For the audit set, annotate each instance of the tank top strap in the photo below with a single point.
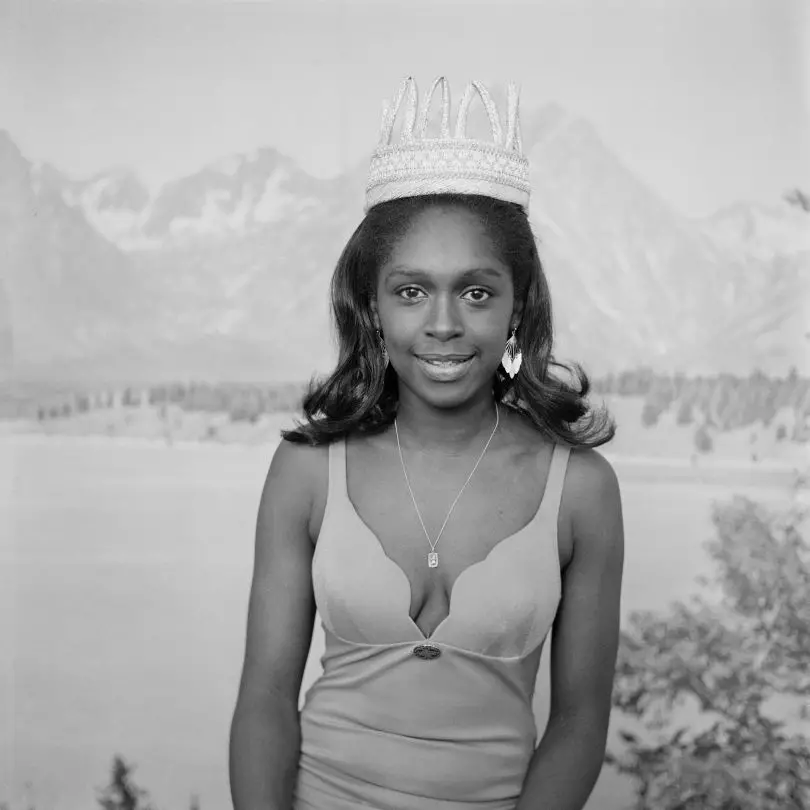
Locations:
(556, 478)
(337, 471)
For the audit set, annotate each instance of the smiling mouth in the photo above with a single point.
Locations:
(445, 362)
(445, 369)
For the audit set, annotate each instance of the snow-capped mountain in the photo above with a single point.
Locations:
(634, 280)
(69, 293)
(225, 273)
(234, 196)
(113, 201)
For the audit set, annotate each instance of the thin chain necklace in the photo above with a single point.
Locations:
(433, 557)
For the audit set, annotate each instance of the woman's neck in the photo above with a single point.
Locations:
(448, 432)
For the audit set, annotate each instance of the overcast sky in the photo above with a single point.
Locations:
(708, 101)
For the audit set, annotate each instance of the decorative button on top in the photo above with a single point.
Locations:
(426, 651)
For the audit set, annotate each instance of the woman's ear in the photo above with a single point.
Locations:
(375, 317)
(516, 319)
(517, 315)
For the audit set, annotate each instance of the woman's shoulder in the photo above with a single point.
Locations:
(589, 472)
(299, 458)
(299, 468)
(591, 497)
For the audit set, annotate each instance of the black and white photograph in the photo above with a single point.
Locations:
(404, 405)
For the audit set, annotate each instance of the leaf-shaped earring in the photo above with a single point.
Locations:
(512, 356)
(384, 350)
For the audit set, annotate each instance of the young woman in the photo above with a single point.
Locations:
(444, 509)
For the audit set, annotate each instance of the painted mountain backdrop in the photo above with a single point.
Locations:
(223, 275)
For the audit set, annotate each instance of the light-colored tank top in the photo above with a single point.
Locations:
(384, 728)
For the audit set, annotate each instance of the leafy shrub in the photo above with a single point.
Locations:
(728, 658)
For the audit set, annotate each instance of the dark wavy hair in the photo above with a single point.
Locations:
(362, 395)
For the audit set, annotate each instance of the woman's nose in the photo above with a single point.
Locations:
(443, 319)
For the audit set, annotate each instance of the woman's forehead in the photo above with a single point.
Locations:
(445, 217)
(439, 236)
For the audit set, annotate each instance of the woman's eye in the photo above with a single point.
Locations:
(479, 295)
(409, 293)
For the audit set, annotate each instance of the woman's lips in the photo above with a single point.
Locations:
(444, 369)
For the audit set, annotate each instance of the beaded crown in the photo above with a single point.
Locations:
(416, 164)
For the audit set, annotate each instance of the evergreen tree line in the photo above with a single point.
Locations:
(244, 402)
(712, 403)
(719, 403)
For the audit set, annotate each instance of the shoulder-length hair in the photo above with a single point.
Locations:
(361, 395)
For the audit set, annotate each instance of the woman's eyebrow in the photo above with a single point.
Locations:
(412, 272)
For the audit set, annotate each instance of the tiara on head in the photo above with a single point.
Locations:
(451, 163)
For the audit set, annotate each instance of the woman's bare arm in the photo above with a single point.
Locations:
(265, 731)
(585, 641)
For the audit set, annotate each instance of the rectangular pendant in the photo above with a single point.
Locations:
(433, 559)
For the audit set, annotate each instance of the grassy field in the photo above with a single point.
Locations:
(124, 574)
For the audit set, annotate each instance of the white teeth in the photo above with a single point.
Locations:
(445, 370)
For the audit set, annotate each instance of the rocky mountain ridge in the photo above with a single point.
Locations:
(224, 274)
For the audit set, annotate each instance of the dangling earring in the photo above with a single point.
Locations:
(512, 356)
(384, 350)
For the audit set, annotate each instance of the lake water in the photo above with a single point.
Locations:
(124, 577)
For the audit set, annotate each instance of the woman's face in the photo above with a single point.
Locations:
(445, 303)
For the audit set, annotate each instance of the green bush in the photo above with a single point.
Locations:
(728, 658)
